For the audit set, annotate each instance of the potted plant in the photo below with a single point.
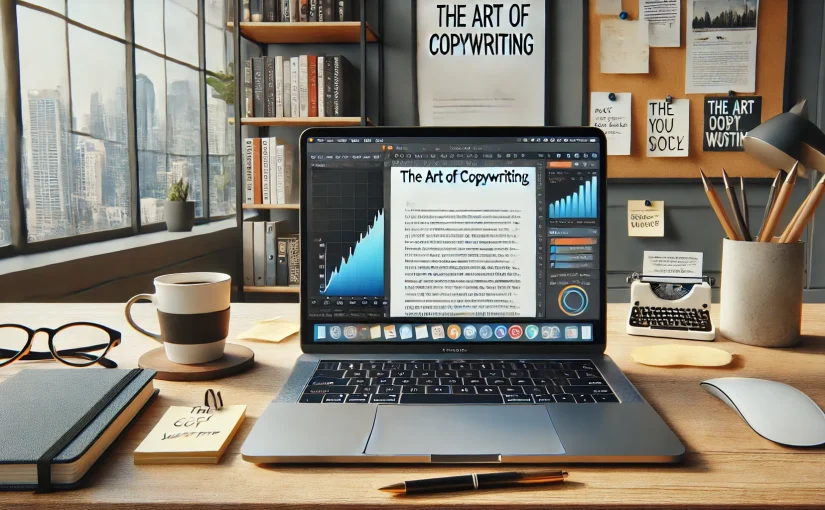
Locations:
(179, 213)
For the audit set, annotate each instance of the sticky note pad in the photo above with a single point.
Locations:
(685, 355)
(645, 220)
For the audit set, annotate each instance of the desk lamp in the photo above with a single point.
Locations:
(789, 137)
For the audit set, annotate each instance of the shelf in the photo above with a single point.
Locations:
(306, 32)
(271, 206)
(273, 290)
(302, 121)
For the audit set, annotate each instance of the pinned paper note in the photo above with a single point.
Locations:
(624, 46)
(673, 263)
(645, 220)
(668, 128)
(728, 120)
(609, 7)
(665, 22)
(612, 117)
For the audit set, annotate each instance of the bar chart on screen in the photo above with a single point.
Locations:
(579, 198)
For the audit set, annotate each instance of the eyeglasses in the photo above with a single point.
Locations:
(79, 344)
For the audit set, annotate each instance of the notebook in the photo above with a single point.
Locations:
(55, 424)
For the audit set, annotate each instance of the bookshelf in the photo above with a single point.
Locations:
(326, 34)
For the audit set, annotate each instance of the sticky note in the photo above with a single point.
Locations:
(645, 220)
(686, 355)
(624, 46)
(612, 117)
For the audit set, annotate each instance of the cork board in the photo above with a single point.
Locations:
(667, 77)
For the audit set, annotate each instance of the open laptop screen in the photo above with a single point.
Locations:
(452, 239)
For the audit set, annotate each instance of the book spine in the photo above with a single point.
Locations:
(329, 111)
(313, 11)
(265, 170)
(304, 11)
(270, 10)
(247, 89)
(258, 87)
(285, 12)
(273, 170)
(269, 86)
(269, 252)
(280, 171)
(282, 263)
(247, 15)
(327, 11)
(259, 252)
(289, 175)
(296, 98)
(341, 10)
(256, 171)
(248, 157)
(256, 10)
(294, 13)
(312, 84)
(278, 64)
(248, 254)
(287, 88)
(293, 248)
(303, 77)
(319, 88)
(336, 86)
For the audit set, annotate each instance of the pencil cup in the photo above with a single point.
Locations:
(762, 292)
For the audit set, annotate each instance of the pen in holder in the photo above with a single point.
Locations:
(761, 291)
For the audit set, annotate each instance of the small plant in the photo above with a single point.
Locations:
(179, 191)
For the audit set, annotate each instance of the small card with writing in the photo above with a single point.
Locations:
(191, 435)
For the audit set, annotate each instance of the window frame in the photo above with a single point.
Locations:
(20, 244)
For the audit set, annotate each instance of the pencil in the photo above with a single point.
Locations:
(742, 228)
(743, 199)
(779, 207)
(716, 204)
(784, 237)
(780, 176)
(811, 203)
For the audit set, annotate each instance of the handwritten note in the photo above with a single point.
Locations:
(664, 19)
(668, 128)
(673, 263)
(624, 47)
(609, 7)
(612, 117)
(645, 220)
(728, 120)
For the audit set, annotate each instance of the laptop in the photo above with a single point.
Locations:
(453, 305)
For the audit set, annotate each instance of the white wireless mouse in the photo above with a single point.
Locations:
(773, 410)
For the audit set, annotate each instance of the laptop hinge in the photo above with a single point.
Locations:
(491, 458)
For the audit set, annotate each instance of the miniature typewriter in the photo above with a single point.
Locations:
(670, 307)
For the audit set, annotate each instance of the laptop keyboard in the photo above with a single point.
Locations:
(457, 382)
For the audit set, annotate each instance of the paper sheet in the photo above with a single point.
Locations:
(664, 19)
(668, 128)
(645, 220)
(685, 355)
(728, 120)
(271, 330)
(612, 117)
(609, 7)
(673, 263)
(480, 63)
(721, 46)
(624, 46)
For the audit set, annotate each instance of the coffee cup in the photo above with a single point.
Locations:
(193, 312)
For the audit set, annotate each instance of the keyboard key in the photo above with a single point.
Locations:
(358, 399)
(349, 365)
(335, 398)
(356, 373)
(384, 399)
(382, 381)
(521, 381)
(404, 381)
(473, 381)
(379, 373)
(515, 373)
(492, 373)
(463, 390)
(535, 390)
(372, 366)
(328, 381)
(328, 365)
(588, 390)
(564, 374)
(329, 373)
(511, 389)
(587, 374)
(517, 399)
(543, 399)
(459, 366)
(487, 390)
(580, 365)
(497, 381)
(591, 381)
(428, 381)
(366, 389)
(522, 365)
(449, 399)
(469, 373)
(449, 381)
(360, 381)
(414, 366)
(605, 398)
(392, 366)
(438, 389)
(423, 373)
(387, 389)
(446, 373)
(311, 398)
(412, 389)
(583, 398)
(329, 389)
(541, 381)
(564, 398)
(401, 373)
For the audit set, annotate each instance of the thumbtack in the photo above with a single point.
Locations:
(731, 93)
(611, 96)
(623, 15)
(647, 203)
(669, 99)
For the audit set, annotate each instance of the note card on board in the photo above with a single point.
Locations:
(646, 220)
(624, 46)
(668, 128)
(609, 7)
(612, 117)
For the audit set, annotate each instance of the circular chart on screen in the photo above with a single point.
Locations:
(573, 300)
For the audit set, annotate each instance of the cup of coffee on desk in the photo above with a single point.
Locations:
(193, 312)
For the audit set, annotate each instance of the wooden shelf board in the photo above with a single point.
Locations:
(271, 206)
(272, 290)
(302, 121)
(315, 32)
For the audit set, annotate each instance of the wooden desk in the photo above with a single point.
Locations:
(727, 464)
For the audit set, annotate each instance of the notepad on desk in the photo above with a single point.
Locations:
(191, 435)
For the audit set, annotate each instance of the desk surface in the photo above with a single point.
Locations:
(727, 464)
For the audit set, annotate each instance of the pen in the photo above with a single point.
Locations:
(781, 201)
(777, 181)
(794, 231)
(718, 209)
(743, 199)
(476, 481)
(734, 207)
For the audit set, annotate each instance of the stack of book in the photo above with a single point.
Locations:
(304, 86)
(286, 11)
(270, 257)
(270, 176)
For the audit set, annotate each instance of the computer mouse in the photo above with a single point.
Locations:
(774, 410)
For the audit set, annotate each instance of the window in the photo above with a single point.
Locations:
(76, 77)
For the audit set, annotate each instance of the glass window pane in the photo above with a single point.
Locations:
(181, 32)
(221, 142)
(215, 12)
(149, 24)
(54, 5)
(150, 100)
(5, 207)
(188, 167)
(183, 117)
(215, 48)
(100, 184)
(104, 15)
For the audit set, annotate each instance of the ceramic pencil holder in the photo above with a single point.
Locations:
(761, 291)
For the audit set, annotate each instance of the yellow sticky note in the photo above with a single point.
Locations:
(271, 330)
(190, 435)
(675, 355)
(645, 220)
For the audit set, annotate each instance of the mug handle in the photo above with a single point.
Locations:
(128, 312)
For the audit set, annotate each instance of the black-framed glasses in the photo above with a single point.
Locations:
(78, 344)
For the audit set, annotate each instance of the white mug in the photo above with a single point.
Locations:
(193, 311)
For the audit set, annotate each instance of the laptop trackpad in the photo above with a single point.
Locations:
(463, 430)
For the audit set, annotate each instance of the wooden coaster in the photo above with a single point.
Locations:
(236, 359)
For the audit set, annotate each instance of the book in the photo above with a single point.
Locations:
(303, 86)
(312, 16)
(273, 168)
(312, 85)
(294, 14)
(248, 254)
(270, 10)
(259, 252)
(293, 248)
(248, 169)
(294, 84)
(282, 264)
(329, 88)
(191, 435)
(347, 10)
(346, 88)
(271, 236)
(266, 196)
(247, 88)
(279, 85)
(258, 109)
(284, 14)
(319, 87)
(285, 160)
(290, 175)
(247, 16)
(287, 90)
(337, 86)
(256, 10)
(269, 86)
(326, 10)
(257, 192)
(304, 11)
(75, 413)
